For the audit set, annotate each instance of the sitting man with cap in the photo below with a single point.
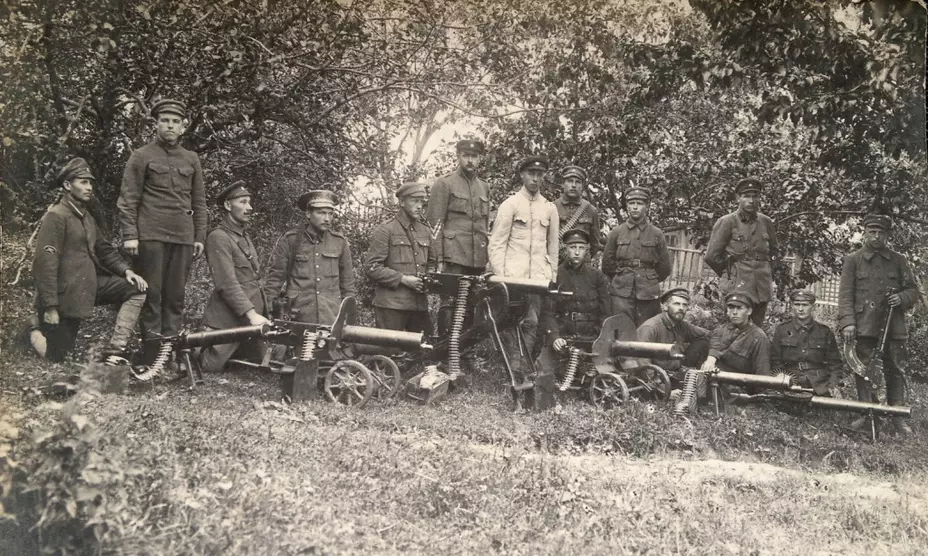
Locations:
(163, 220)
(806, 348)
(580, 315)
(524, 244)
(739, 346)
(669, 327)
(575, 212)
(742, 246)
(75, 268)
(637, 260)
(398, 254)
(237, 298)
(311, 271)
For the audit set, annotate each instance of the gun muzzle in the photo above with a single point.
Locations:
(861, 407)
(387, 338)
(224, 336)
(650, 350)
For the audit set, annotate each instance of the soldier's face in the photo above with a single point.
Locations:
(802, 310)
(573, 187)
(738, 313)
(468, 161)
(239, 209)
(875, 237)
(576, 252)
(412, 206)
(749, 201)
(676, 308)
(531, 179)
(636, 209)
(170, 127)
(320, 218)
(81, 189)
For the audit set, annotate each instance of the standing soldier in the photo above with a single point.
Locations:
(310, 269)
(669, 327)
(637, 259)
(524, 244)
(874, 279)
(806, 348)
(458, 215)
(237, 298)
(742, 246)
(75, 268)
(162, 216)
(398, 254)
(575, 212)
(739, 346)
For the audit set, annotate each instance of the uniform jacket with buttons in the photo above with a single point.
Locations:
(398, 247)
(162, 196)
(69, 252)
(741, 350)
(636, 241)
(583, 312)
(233, 263)
(866, 277)
(321, 273)
(458, 213)
(524, 240)
(588, 222)
(663, 330)
(798, 348)
(740, 250)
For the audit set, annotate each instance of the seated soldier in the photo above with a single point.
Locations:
(739, 346)
(578, 315)
(806, 348)
(668, 327)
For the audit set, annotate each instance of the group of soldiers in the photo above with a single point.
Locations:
(446, 228)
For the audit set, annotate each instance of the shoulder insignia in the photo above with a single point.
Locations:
(50, 249)
(337, 234)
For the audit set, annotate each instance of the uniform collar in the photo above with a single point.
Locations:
(869, 252)
(574, 269)
(72, 206)
(311, 235)
(231, 225)
(165, 145)
(566, 201)
(745, 217)
(668, 322)
(404, 219)
(529, 196)
(460, 172)
(641, 224)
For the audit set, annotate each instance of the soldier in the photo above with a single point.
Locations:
(637, 260)
(576, 212)
(75, 268)
(669, 327)
(739, 346)
(806, 348)
(875, 278)
(458, 215)
(162, 216)
(579, 315)
(310, 268)
(397, 256)
(524, 244)
(742, 246)
(237, 298)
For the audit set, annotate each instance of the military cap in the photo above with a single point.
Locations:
(170, 106)
(75, 168)
(410, 188)
(573, 171)
(317, 198)
(748, 184)
(470, 145)
(740, 296)
(678, 292)
(533, 162)
(802, 295)
(575, 235)
(880, 220)
(233, 191)
(636, 192)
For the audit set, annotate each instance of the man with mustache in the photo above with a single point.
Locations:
(75, 268)
(575, 212)
(669, 327)
(237, 298)
(162, 217)
(398, 254)
(742, 246)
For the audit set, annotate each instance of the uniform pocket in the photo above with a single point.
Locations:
(483, 207)
(185, 178)
(400, 249)
(329, 265)
(459, 203)
(158, 175)
(519, 227)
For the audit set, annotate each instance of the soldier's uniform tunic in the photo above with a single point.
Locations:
(637, 259)
(741, 350)
(589, 222)
(662, 329)
(458, 212)
(809, 352)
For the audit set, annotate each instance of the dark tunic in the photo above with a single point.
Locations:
(740, 250)
(741, 350)
(662, 329)
(459, 214)
(807, 350)
(398, 247)
(866, 277)
(588, 222)
(637, 258)
(233, 263)
(581, 314)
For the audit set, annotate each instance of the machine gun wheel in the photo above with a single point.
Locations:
(349, 382)
(608, 390)
(649, 383)
(387, 377)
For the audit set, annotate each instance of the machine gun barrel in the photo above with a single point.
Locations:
(852, 406)
(378, 337)
(527, 285)
(650, 350)
(223, 336)
(778, 382)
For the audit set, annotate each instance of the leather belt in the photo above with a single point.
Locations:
(634, 263)
(805, 366)
(577, 316)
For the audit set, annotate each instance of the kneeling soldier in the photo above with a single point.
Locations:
(669, 327)
(806, 348)
(578, 315)
(75, 268)
(237, 298)
(398, 253)
(739, 346)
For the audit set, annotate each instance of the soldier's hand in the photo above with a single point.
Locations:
(894, 300)
(413, 282)
(131, 246)
(440, 267)
(136, 281)
(51, 316)
(560, 344)
(708, 364)
(197, 249)
(849, 332)
(254, 318)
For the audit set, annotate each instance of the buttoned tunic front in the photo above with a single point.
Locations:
(867, 277)
(807, 349)
(740, 249)
(233, 263)
(637, 259)
(458, 213)
(524, 240)
(398, 247)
